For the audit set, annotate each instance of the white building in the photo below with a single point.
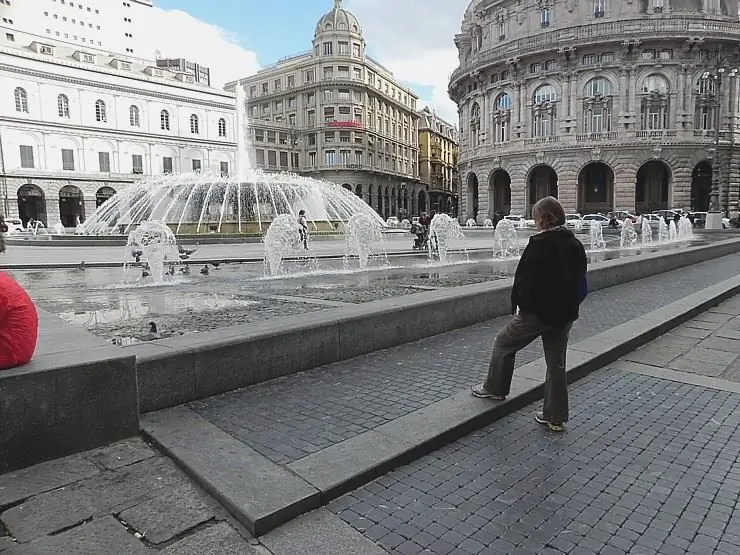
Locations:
(105, 25)
(77, 124)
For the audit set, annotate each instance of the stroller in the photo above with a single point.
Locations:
(421, 236)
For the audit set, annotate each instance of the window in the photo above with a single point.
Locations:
(164, 120)
(137, 163)
(655, 83)
(343, 48)
(133, 116)
(545, 17)
(706, 103)
(63, 106)
(312, 159)
(599, 8)
(597, 106)
(166, 164)
(658, 6)
(330, 157)
(356, 50)
(196, 165)
(104, 162)
(544, 111)
(221, 127)
(100, 114)
(26, 156)
(224, 167)
(655, 105)
(328, 50)
(194, 127)
(68, 159)
(598, 86)
(310, 76)
(21, 100)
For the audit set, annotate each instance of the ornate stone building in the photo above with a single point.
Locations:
(605, 104)
(438, 151)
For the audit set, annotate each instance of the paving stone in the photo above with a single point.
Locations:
(219, 539)
(123, 453)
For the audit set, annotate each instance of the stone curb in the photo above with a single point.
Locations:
(317, 479)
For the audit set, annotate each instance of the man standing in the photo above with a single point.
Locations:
(549, 285)
(303, 228)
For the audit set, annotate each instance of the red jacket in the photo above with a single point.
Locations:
(19, 324)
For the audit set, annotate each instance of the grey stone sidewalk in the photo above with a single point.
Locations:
(124, 499)
(647, 465)
(290, 418)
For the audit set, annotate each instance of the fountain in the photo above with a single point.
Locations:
(505, 240)
(363, 238)
(685, 229)
(662, 231)
(471, 223)
(628, 237)
(597, 236)
(442, 231)
(646, 232)
(488, 222)
(282, 237)
(58, 229)
(522, 223)
(672, 231)
(245, 203)
(156, 243)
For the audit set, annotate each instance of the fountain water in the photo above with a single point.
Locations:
(488, 222)
(505, 240)
(662, 231)
(628, 237)
(672, 231)
(58, 228)
(471, 223)
(363, 238)
(522, 224)
(685, 229)
(157, 243)
(597, 236)
(646, 232)
(282, 237)
(442, 231)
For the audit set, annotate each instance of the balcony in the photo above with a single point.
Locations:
(541, 140)
(655, 134)
(605, 136)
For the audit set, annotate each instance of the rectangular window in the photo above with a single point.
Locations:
(259, 157)
(607, 57)
(590, 59)
(283, 159)
(166, 164)
(545, 17)
(329, 137)
(666, 54)
(312, 159)
(551, 65)
(259, 136)
(647, 55)
(252, 91)
(356, 50)
(137, 163)
(26, 156)
(309, 77)
(104, 162)
(343, 48)
(68, 159)
(311, 117)
(330, 157)
(599, 8)
(272, 158)
(196, 165)
(534, 68)
(327, 95)
(291, 81)
(224, 169)
(328, 49)
(277, 84)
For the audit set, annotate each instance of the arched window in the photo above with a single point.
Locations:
(222, 127)
(655, 105)
(706, 103)
(21, 100)
(544, 111)
(100, 114)
(194, 127)
(133, 116)
(63, 106)
(474, 124)
(597, 106)
(502, 118)
(164, 120)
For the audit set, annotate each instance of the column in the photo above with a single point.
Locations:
(682, 89)
(518, 196)
(567, 191)
(573, 94)
(623, 99)
(517, 102)
(631, 86)
(679, 196)
(565, 100)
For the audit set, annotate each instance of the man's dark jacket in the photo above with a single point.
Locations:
(547, 278)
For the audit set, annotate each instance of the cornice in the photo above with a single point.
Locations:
(118, 88)
(117, 133)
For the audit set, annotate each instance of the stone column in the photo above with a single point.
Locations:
(568, 190)
(565, 100)
(631, 99)
(623, 101)
(682, 88)
(517, 101)
(573, 93)
(518, 195)
(679, 195)
(624, 189)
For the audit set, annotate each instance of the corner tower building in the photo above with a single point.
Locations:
(335, 113)
(606, 104)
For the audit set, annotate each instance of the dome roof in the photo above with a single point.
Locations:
(338, 19)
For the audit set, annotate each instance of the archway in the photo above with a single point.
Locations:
(380, 200)
(471, 207)
(358, 190)
(422, 201)
(71, 206)
(595, 188)
(499, 193)
(31, 204)
(652, 187)
(347, 186)
(103, 194)
(701, 186)
(386, 203)
(543, 182)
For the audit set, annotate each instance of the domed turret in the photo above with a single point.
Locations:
(338, 19)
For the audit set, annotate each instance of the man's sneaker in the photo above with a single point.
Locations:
(483, 393)
(552, 426)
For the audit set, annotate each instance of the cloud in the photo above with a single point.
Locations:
(177, 34)
(414, 39)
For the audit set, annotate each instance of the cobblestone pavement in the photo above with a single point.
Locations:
(289, 418)
(124, 499)
(647, 466)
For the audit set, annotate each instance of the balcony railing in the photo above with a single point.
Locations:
(604, 136)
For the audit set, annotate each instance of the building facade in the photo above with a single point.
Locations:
(76, 126)
(438, 152)
(604, 104)
(200, 74)
(335, 113)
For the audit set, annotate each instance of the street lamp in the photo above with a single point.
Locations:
(714, 217)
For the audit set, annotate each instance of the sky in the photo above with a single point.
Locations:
(412, 38)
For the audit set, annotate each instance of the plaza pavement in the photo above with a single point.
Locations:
(646, 465)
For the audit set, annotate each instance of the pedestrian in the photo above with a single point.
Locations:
(19, 324)
(3, 231)
(549, 285)
(303, 228)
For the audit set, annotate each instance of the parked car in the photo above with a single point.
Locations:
(603, 220)
(700, 220)
(669, 214)
(624, 215)
(519, 221)
(15, 225)
(574, 221)
(392, 222)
